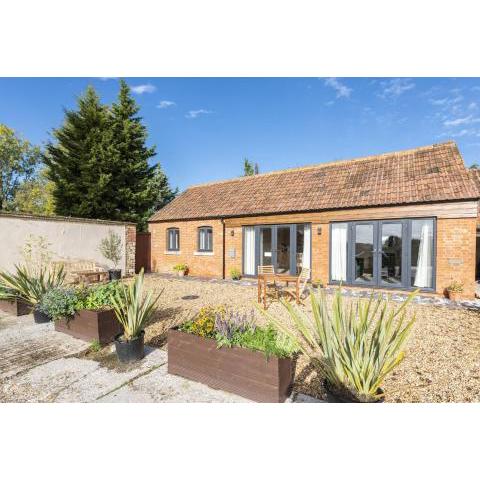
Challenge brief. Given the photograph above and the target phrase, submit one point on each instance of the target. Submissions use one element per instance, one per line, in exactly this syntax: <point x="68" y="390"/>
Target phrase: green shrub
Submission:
<point x="6" y="293"/>
<point x="58" y="303"/>
<point x="353" y="346"/>
<point x="95" y="346"/>
<point x="180" y="267"/>
<point x="111" y="247"/>
<point x="455" y="287"/>
<point x="235" y="274"/>
<point x="97" y="297"/>
<point x="31" y="286"/>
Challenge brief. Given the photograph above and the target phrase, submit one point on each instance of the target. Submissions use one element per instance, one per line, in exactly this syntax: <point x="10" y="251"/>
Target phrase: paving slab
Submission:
<point x="160" y="386"/>
<point x="25" y="344"/>
<point x="76" y="379"/>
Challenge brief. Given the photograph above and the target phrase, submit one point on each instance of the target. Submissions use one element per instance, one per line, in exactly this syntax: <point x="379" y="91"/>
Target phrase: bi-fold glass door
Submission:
<point x="377" y="254"/>
<point x="274" y="247"/>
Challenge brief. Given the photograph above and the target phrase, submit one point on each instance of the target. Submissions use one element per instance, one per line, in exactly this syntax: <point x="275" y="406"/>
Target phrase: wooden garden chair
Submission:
<point x="269" y="285"/>
<point x="300" y="286"/>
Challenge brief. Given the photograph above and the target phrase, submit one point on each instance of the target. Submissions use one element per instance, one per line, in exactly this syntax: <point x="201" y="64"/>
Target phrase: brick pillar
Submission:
<point x="130" y="245"/>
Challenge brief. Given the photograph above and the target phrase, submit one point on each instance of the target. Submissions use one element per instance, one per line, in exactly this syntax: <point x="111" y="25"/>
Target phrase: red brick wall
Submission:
<point x="456" y="244"/>
<point x="200" y="265"/>
<point x="130" y="245"/>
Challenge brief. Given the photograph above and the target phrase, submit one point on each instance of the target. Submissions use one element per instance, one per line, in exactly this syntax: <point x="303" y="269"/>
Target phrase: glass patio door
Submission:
<point x="364" y="253"/>
<point x="275" y="247"/>
<point x="391" y="253"/>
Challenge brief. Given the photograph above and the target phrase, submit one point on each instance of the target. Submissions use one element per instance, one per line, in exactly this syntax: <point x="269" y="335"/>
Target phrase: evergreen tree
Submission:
<point x="100" y="164"/>
<point x="78" y="163"/>
<point x="248" y="168"/>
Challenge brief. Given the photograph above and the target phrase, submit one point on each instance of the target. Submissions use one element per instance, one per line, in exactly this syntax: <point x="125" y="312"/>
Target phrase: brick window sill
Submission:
<point x="206" y="254"/>
<point x="172" y="252"/>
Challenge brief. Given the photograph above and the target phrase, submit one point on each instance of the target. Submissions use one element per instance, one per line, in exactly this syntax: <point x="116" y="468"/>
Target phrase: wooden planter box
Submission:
<point x="15" y="307"/>
<point x="89" y="325"/>
<point x="237" y="370"/>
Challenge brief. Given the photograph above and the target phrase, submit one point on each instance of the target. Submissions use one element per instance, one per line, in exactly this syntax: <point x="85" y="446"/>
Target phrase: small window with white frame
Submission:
<point x="205" y="239"/>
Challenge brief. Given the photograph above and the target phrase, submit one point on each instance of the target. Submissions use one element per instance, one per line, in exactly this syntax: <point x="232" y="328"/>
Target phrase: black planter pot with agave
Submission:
<point x="133" y="310"/>
<point x="341" y="394"/>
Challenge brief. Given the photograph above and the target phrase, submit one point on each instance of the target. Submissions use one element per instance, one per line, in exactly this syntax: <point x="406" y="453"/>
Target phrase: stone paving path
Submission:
<point x="38" y="364"/>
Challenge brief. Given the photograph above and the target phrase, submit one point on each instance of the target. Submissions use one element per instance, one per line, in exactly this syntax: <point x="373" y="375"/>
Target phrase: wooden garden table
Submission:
<point x="276" y="277"/>
<point x="91" y="276"/>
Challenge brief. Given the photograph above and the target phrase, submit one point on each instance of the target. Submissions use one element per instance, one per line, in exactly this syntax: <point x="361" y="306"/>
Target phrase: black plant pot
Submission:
<point x="115" y="274"/>
<point x="343" y="396"/>
<point x="41" y="317"/>
<point x="132" y="351"/>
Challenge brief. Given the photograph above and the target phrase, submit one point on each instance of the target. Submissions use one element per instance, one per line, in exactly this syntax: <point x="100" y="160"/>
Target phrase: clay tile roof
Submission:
<point x="425" y="174"/>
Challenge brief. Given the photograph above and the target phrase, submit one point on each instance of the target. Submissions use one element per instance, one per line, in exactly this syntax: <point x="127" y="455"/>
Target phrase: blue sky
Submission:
<point x="204" y="127"/>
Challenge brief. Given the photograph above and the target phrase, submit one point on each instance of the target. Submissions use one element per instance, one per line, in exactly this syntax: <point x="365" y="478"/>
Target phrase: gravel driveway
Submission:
<point x="442" y="361"/>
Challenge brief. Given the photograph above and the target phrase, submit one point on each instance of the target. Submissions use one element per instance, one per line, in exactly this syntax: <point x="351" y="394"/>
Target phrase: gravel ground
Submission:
<point x="442" y="361"/>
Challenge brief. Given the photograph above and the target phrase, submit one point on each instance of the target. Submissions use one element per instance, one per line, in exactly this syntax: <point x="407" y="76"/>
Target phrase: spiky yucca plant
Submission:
<point x="31" y="286"/>
<point x="132" y="308"/>
<point x="355" y="346"/>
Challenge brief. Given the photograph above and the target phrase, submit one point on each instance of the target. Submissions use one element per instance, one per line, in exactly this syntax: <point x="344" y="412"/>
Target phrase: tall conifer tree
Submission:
<point x="100" y="163"/>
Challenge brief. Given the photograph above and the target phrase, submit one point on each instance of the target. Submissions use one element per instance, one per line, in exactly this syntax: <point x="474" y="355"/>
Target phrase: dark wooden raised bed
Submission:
<point x="236" y="370"/>
<point x="15" y="307"/>
<point x="89" y="325"/>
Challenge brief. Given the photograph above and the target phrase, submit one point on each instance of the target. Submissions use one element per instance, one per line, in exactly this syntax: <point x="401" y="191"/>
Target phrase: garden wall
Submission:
<point x="69" y="239"/>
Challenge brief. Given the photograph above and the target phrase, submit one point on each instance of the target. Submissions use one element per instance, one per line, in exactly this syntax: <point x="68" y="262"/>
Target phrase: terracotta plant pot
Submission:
<point x="453" y="296"/>
<point x="181" y="273"/>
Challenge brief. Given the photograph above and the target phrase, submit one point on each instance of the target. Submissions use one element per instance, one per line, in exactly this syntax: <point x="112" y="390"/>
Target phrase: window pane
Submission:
<point x="422" y="253"/>
<point x="266" y="246"/>
<point x="339" y="252"/>
<point x="300" y="247"/>
<point x="205" y="242"/>
<point x="391" y="248"/>
<point x="364" y="253"/>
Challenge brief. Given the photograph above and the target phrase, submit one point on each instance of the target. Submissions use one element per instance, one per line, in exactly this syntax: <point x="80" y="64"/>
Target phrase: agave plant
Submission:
<point x="355" y="346"/>
<point x="29" y="286"/>
<point x="132" y="308"/>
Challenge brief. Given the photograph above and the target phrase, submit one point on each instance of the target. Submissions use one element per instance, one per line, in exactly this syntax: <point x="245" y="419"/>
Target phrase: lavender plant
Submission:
<point x="230" y="324"/>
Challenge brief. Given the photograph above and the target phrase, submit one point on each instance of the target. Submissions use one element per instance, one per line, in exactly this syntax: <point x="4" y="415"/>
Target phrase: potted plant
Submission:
<point x="353" y="347"/>
<point x="235" y="274"/>
<point x="133" y="310"/>
<point x="181" y="269"/>
<point x="454" y="290"/>
<point x="111" y="248"/>
<point x="30" y="287"/>
<point x="225" y="349"/>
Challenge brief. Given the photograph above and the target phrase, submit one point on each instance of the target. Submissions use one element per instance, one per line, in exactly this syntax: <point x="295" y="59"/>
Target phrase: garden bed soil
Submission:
<point x="15" y="307"/>
<point x="89" y="325"/>
<point x="236" y="370"/>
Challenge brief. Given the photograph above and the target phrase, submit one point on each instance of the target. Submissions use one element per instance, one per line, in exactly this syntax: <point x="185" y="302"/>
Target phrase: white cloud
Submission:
<point x="341" y="89"/>
<point x="395" y="87"/>
<point x="472" y="106"/>
<point x="166" y="104"/>
<point x="147" y="88"/>
<point x="196" y="113"/>
<point x="461" y="121"/>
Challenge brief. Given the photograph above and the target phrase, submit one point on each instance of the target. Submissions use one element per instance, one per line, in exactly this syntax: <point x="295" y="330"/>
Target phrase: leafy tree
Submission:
<point x="35" y="195"/>
<point x="248" y="168"/>
<point x="18" y="162"/>
<point x="100" y="164"/>
<point x="475" y="166"/>
<point x="257" y="170"/>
